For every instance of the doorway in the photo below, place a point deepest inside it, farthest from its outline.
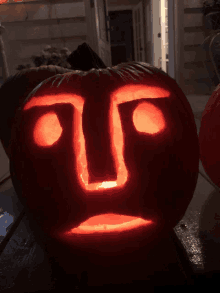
(121, 36)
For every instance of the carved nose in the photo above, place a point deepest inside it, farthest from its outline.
(96, 126)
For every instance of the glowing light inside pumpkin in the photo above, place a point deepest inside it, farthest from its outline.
(80, 150)
(47, 130)
(124, 94)
(107, 223)
(148, 118)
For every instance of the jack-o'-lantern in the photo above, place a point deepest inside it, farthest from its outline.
(209, 137)
(101, 157)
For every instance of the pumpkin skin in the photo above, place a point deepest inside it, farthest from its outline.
(160, 164)
(24, 82)
(209, 137)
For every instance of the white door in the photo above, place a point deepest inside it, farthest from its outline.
(98, 34)
(138, 32)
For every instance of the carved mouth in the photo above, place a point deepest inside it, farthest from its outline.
(109, 222)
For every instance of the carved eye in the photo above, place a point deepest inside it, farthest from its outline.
(47, 129)
(148, 118)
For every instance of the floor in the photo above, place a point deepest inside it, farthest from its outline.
(195, 230)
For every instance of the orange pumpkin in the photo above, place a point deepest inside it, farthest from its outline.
(101, 157)
(209, 137)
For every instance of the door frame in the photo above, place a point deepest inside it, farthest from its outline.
(175, 21)
(123, 44)
(91, 26)
(173, 43)
(156, 30)
(141, 6)
(131, 7)
(171, 64)
(164, 35)
(121, 7)
(149, 30)
(179, 42)
(93, 30)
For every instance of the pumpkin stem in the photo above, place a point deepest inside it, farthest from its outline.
(84, 58)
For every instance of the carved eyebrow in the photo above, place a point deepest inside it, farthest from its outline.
(137, 92)
(47, 100)
(124, 94)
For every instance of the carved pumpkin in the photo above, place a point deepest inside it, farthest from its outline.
(109, 146)
(209, 137)
(105, 160)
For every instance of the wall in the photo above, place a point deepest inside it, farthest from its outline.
(30, 26)
(195, 74)
(122, 2)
